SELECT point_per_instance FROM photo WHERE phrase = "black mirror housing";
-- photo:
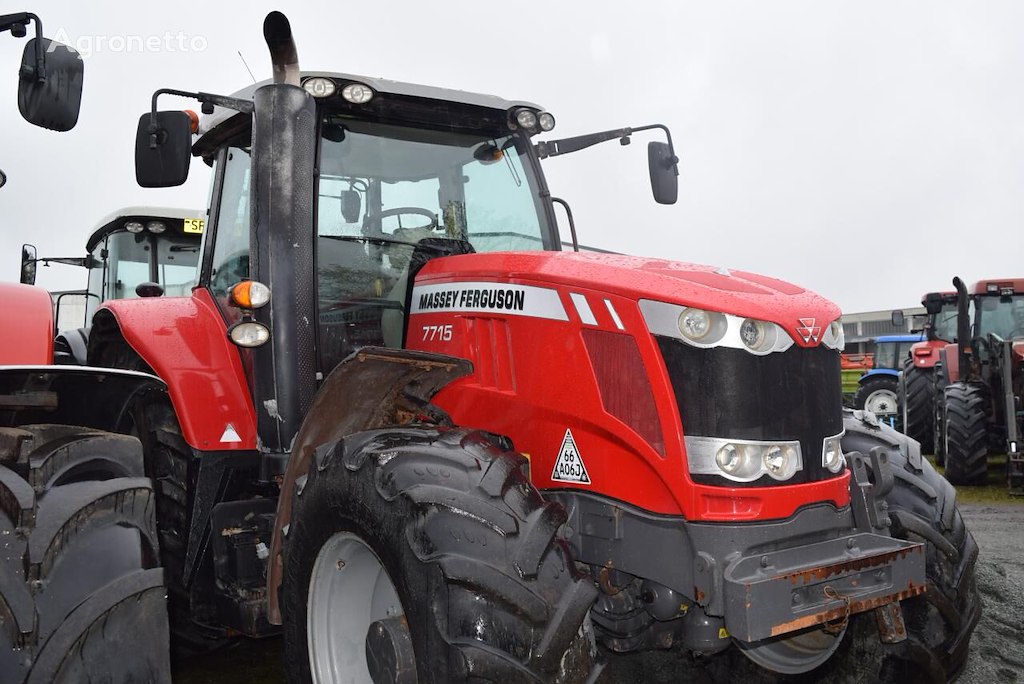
(897, 318)
(933, 303)
(664, 173)
(28, 264)
(52, 102)
(163, 149)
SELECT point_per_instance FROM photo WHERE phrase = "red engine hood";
(708, 287)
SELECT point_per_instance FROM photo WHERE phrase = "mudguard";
(395, 386)
(26, 320)
(184, 340)
(876, 372)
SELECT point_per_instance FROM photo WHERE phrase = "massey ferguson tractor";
(918, 386)
(132, 252)
(983, 383)
(397, 423)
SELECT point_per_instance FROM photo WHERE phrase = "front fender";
(184, 340)
(373, 388)
(875, 373)
(26, 319)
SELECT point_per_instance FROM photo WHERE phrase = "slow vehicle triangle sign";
(569, 465)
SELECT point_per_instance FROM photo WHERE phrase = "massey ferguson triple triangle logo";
(807, 330)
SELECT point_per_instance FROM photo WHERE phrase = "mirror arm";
(207, 99)
(554, 148)
(16, 24)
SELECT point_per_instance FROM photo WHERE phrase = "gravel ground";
(997, 649)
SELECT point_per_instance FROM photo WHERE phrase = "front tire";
(425, 555)
(919, 405)
(965, 414)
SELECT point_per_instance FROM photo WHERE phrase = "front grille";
(733, 394)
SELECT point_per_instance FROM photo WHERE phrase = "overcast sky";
(868, 151)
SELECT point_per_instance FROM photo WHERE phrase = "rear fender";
(394, 387)
(71, 395)
(926, 354)
(875, 373)
(184, 340)
(27, 321)
(950, 357)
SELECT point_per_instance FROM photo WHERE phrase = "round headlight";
(134, 227)
(249, 333)
(357, 93)
(753, 332)
(780, 462)
(526, 118)
(694, 323)
(729, 458)
(318, 86)
(546, 121)
(156, 227)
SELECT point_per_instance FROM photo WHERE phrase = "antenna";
(246, 66)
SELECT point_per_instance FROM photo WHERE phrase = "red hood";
(709, 287)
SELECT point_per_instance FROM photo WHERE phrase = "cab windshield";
(944, 327)
(1003, 316)
(130, 259)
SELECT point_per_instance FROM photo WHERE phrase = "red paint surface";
(926, 354)
(184, 340)
(26, 325)
(533, 379)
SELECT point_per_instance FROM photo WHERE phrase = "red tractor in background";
(918, 385)
(397, 423)
(982, 381)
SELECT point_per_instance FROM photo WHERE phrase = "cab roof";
(115, 220)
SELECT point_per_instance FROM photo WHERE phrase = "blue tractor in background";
(878, 388)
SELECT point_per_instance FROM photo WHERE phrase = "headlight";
(357, 93)
(249, 333)
(835, 337)
(743, 460)
(700, 327)
(546, 121)
(526, 119)
(134, 227)
(832, 458)
(318, 86)
(704, 329)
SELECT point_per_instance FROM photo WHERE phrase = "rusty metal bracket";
(891, 628)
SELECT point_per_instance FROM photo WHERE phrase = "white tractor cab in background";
(132, 252)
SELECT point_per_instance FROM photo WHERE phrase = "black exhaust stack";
(963, 329)
(282, 254)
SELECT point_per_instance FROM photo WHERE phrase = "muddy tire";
(445, 529)
(80, 577)
(918, 402)
(966, 409)
(922, 508)
(878, 394)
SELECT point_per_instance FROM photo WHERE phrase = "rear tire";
(450, 532)
(965, 415)
(80, 578)
(919, 405)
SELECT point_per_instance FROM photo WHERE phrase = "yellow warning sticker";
(723, 633)
(195, 225)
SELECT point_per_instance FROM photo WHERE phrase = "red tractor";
(397, 423)
(918, 386)
(982, 381)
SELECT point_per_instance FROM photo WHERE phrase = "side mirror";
(163, 149)
(3, 179)
(897, 318)
(351, 206)
(664, 172)
(933, 303)
(53, 98)
(28, 264)
(149, 289)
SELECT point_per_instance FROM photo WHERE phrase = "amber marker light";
(250, 294)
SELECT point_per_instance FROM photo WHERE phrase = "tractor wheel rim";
(881, 403)
(796, 654)
(349, 590)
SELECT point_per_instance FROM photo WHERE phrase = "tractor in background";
(918, 385)
(132, 252)
(982, 376)
(877, 388)
(396, 422)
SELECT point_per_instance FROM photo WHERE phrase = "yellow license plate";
(194, 225)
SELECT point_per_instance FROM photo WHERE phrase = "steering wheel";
(433, 225)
